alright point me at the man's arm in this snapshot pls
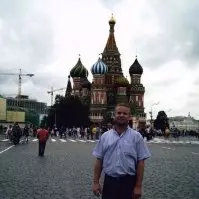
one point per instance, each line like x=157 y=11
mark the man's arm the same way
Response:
x=47 y=135
x=137 y=192
x=140 y=173
x=97 y=170
x=37 y=133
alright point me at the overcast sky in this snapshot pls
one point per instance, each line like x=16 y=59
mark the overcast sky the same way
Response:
x=44 y=37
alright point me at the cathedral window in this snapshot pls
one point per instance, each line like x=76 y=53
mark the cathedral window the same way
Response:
x=136 y=98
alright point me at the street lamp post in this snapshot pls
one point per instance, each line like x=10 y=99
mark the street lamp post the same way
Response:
x=151 y=112
x=189 y=126
x=55 y=119
x=57 y=102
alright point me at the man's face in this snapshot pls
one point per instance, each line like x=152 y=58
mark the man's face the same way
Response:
x=122 y=115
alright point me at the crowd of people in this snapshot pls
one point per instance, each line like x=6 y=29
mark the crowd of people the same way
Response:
x=15 y=132
x=91 y=133
x=149 y=133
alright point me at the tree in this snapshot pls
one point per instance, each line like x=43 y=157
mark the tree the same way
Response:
x=162 y=121
x=133 y=108
x=68 y=112
x=31 y=117
x=44 y=121
x=107 y=118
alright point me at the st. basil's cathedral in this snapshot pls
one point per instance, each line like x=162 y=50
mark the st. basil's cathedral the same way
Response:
x=109 y=86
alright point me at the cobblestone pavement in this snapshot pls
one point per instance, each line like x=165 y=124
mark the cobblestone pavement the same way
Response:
x=66 y=171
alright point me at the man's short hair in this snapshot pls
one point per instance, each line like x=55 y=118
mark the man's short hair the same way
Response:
x=123 y=104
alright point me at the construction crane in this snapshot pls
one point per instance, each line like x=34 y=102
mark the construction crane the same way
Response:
x=51 y=92
x=20 y=74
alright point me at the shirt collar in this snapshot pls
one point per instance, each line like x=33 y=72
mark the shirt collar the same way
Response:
x=114 y=131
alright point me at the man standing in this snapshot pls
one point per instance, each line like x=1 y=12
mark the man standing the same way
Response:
x=42 y=135
x=120 y=152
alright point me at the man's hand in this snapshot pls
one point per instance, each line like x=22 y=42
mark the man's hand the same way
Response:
x=97 y=189
x=137 y=192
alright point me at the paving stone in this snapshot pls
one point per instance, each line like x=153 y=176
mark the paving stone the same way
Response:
x=66 y=171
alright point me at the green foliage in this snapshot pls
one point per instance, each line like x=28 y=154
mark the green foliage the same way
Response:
x=108 y=118
x=162 y=121
x=133 y=108
x=44 y=121
x=32 y=117
x=68 y=112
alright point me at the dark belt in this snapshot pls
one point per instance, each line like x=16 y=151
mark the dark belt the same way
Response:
x=120 y=178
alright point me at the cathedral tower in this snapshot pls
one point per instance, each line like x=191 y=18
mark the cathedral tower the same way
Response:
x=68 y=88
x=78 y=73
x=136 y=92
x=98 y=91
x=111 y=56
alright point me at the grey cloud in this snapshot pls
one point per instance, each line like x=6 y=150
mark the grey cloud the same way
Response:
x=194 y=95
x=26 y=41
x=192 y=107
x=42 y=80
x=179 y=37
x=26 y=36
x=12 y=7
x=167 y=82
x=196 y=82
x=192 y=103
x=111 y=3
x=40 y=83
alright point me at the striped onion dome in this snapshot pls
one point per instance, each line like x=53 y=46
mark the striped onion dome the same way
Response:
x=79 y=70
x=99 y=67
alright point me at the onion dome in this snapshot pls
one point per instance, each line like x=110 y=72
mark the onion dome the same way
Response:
x=86 y=83
x=79 y=70
x=122 y=82
x=99 y=68
x=136 y=68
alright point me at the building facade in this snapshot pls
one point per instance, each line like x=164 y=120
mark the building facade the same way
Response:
x=21 y=109
x=184 y=123
x=24 y=102
x=109 y=86
x=2 y=108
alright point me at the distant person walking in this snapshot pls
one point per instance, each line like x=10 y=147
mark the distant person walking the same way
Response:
x=16 y=133
x=9 y=132
x=120 y=152
x=26 y=132
x=42 y=135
